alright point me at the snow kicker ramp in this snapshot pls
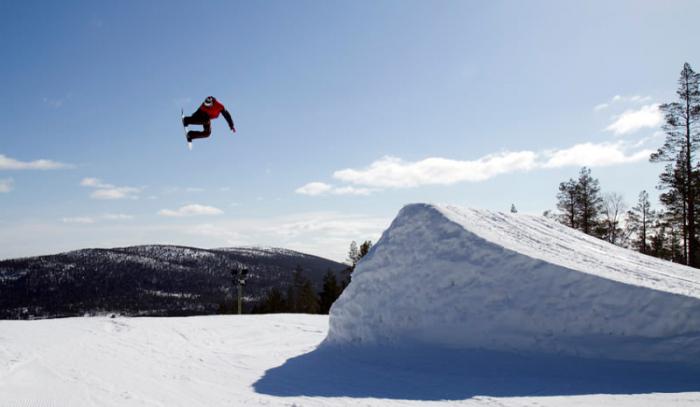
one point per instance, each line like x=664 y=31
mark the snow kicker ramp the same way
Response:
x=472 y=279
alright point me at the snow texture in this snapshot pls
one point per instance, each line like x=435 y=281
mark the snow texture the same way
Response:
x=274 y=360
x=474 y=279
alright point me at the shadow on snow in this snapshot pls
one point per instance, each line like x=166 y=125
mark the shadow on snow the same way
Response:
x=430 y=374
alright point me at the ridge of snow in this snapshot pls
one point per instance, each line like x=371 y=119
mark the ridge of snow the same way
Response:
x=474 y=279
x=261 y=251
x=553 y=242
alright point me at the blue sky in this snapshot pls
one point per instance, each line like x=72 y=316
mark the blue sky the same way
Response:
x=345 y=111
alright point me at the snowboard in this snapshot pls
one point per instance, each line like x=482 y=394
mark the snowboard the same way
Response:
x=189 y=143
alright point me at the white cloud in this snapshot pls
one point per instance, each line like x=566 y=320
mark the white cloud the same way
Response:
x=320 y=188
x=191 y=210
x=633 y=120
x=94 y=183
x=392 y=172
x=8 y=163
x=79 y=219
x=95 y=219
x=6 y=185
x=622 y=99
x=314 y=189
x=109 y=191
x=116 y=193
x=117 y=216
x=590 y=154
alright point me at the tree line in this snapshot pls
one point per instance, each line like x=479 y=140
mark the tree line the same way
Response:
x=670 y=232
x=300 y=296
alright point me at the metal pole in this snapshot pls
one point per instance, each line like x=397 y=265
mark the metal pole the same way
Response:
x=239 y=276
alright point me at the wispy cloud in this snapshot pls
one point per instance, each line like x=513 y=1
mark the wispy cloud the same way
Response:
x=622 y=99
x=108 y=191
x=590 y=155
x=326 y=234
x=633 y=120
x=117 y=216
x=321 y=188
x=8 y=163
x=6 y=185
x=392 y=172
x=56 y=103
x=191 y=210
x=94 y=183
x=85 y=220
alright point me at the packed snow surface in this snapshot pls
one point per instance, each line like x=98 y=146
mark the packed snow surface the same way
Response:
x=475 y=279
x=275 y=360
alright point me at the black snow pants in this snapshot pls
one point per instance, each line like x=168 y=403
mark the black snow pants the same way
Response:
x=199 y=117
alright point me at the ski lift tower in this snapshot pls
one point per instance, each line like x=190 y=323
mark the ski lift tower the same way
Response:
x=239 y=276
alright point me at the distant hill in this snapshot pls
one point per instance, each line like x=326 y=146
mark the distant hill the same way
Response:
x=155 y=280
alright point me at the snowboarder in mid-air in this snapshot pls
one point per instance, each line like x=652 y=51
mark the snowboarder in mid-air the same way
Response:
x=210 y=109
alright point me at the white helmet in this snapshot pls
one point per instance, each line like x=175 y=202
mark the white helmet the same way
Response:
x=209 y=101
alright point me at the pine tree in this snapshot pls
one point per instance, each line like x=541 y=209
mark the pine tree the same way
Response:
x=294 y=290
x=330 y=293
x=307 y=301
x=353 y=254
x=364 y=249
x=513 y=209
x=588 y=202
x=274 y=302
x=682 y=138
x=566 y=203
x=640 y=220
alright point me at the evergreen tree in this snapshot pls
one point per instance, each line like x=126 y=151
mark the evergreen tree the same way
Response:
x=513 y=209
x=682 y=138
x=307 y=300
x=581 y=205
x=566 y=203
x=658 y=242
x=640 y=220
x=588 y=202
x=274 y=302
x=353 y=254
x=294 y=290
x=301 y=297
x=331 y=292
x=364 y=249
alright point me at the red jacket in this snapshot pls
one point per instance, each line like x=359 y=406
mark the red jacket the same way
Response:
x=214 y=110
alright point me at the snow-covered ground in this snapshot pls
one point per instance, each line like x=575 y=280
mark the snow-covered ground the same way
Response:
x=451 y=307
x=274 y=360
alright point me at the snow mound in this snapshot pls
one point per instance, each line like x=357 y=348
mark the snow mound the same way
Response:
x=474 y=279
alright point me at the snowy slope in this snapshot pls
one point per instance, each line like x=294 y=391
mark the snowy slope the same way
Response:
x=473 y=279
x=272 y=360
